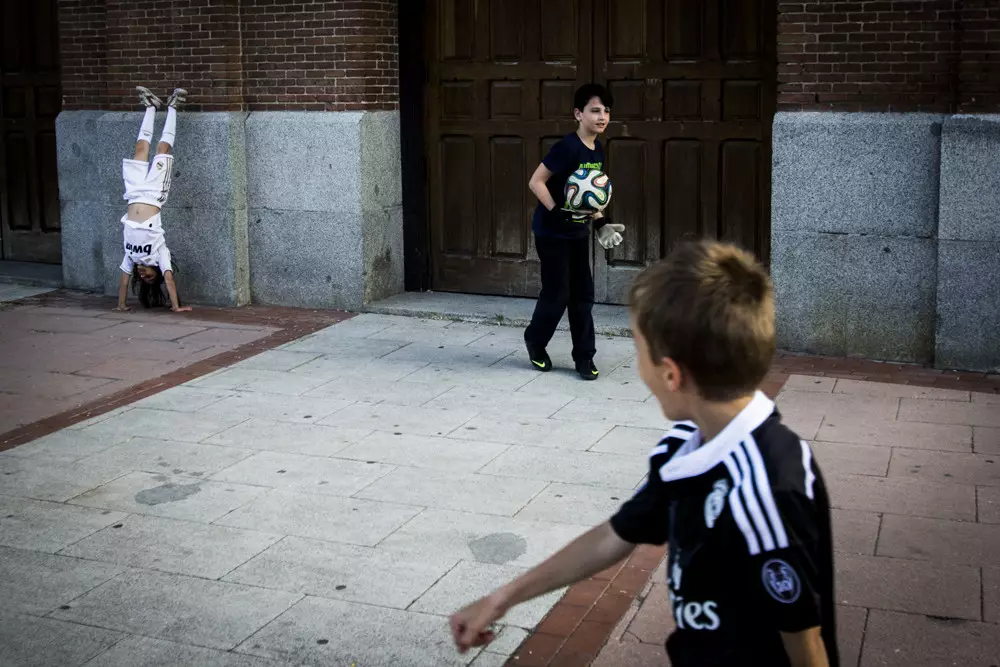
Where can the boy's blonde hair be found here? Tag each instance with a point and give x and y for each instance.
(709, 306)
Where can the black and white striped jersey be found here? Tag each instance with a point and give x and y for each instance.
(747, 519)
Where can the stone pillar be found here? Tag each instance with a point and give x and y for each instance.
(968, 293)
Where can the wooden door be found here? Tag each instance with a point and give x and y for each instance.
(30, 99)
(689, 145)
(501, 77)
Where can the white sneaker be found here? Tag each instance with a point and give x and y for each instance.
(148, 99)
(177, 98)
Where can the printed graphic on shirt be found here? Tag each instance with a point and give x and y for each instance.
(139, 249)
(781, 581)
(591, 165)
(716, 501)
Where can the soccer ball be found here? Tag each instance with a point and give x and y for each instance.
(588, 189)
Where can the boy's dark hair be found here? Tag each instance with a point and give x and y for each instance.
(590, 90)
(709, 306)
(153, 295)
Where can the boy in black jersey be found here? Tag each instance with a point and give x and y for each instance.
(738, 497)
(562, 237)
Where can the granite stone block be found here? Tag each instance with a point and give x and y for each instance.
(968, 308)
(970, 179)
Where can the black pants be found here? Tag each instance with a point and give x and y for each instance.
(566, 284)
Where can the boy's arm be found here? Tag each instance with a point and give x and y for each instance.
(123, 292)
(592, 552)
(175, 304)
(537, 186)
(806, 648)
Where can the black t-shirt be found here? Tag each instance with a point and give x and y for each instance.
(747, 518)
(568, 155)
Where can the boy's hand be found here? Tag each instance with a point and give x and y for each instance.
(181, 309)
(470, 626)
(609, 235)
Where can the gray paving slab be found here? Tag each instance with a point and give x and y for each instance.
(47, 526)
(352, 369)
(423, 451)
(381, 391)
(38, 479)
(146, 652)
(511, 404)
(299, 409)
(36, 583)
(447, 377)
(447, 489)
(575, 503)
(446, 534)
(342, 571)
(183, 399)
(276, 360)
(317, 631)
(289, 437)
(422, 420)
(168, 545)
(618, 413)
(629, 441)
(568, 382)
(593, 468)
(65, 446)
(533, 431)
(167, 456)
(455, 355)
(185, 609)
(307, 474)
(261, 381)
(170, 496)
(469, 581)
(331, 518)
(329, 344)
(146, 423)
(30, 641)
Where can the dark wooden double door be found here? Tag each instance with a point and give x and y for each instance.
(688, 148)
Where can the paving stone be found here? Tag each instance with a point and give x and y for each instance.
(854, 531)
(261, 381)
(66, 446)
(986, 440)
(330, 518)
(29, 641)
(845, 386)
(897, 434)
(39, 384)
(299, 409)
(445, 534)
(629, 441)
(167, 456)
(289, 437)
(56, 323)
(142, 422)
(37, 583)
(949, 412)
(97, 419)
(533, 431)
(456, 356)
(380, 391)
(834, 406)
(361, 325)
(333, 632)
(146, 652)
(574, 503)
(983, 469)
(851, 623)
(420, 333)
(184, 609)
(592, 468)
(506, 641)
(991, 594)
(908, 585)
(482, 494)
(183, 399)
(988, 504)
(35, 478)
(305, 474)
(621, 413)
(569, 383)
(336, 346)
(442, 375)
(633, 654)
(939, 541)
(227, 337)
(421, 451)
(485, 401)
(902, 496)
(988, 399)
(914, 640)
(342, 571)
(423, 420)
(847, 459)
(132, 370)
(171, 496)
(469, 581)
(48, 527)
(150, 331)
(276, 360)
(822, 385)
(357, 369)
(174, 546)
(486, 659)
(653, 621)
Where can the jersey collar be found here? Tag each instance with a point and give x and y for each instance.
(705, 457)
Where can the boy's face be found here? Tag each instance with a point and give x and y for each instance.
(662, 377)
(593, 118)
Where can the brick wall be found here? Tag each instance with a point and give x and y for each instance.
(231, 54)
(889, 55)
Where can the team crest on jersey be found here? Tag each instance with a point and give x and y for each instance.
(781, 581)
(715, 501)
(159, 166)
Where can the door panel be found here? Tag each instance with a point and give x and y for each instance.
(29, 103)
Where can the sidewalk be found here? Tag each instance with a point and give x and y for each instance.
(330, 501)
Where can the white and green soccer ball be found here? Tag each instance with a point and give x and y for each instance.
(588, 189)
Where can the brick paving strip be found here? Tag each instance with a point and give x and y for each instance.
(270, 326)
(621, 617)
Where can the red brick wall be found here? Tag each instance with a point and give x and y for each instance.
(889, 55)
(231, 54)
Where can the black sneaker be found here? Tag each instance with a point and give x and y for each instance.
(540, 360)
(587, 369)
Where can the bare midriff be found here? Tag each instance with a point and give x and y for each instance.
(139, 212)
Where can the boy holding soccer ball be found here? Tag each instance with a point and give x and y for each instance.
(562, 236)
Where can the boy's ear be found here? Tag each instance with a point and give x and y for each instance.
(673, 376)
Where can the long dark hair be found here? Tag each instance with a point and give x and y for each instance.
(153, 295)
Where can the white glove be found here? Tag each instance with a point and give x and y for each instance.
(609, 235)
